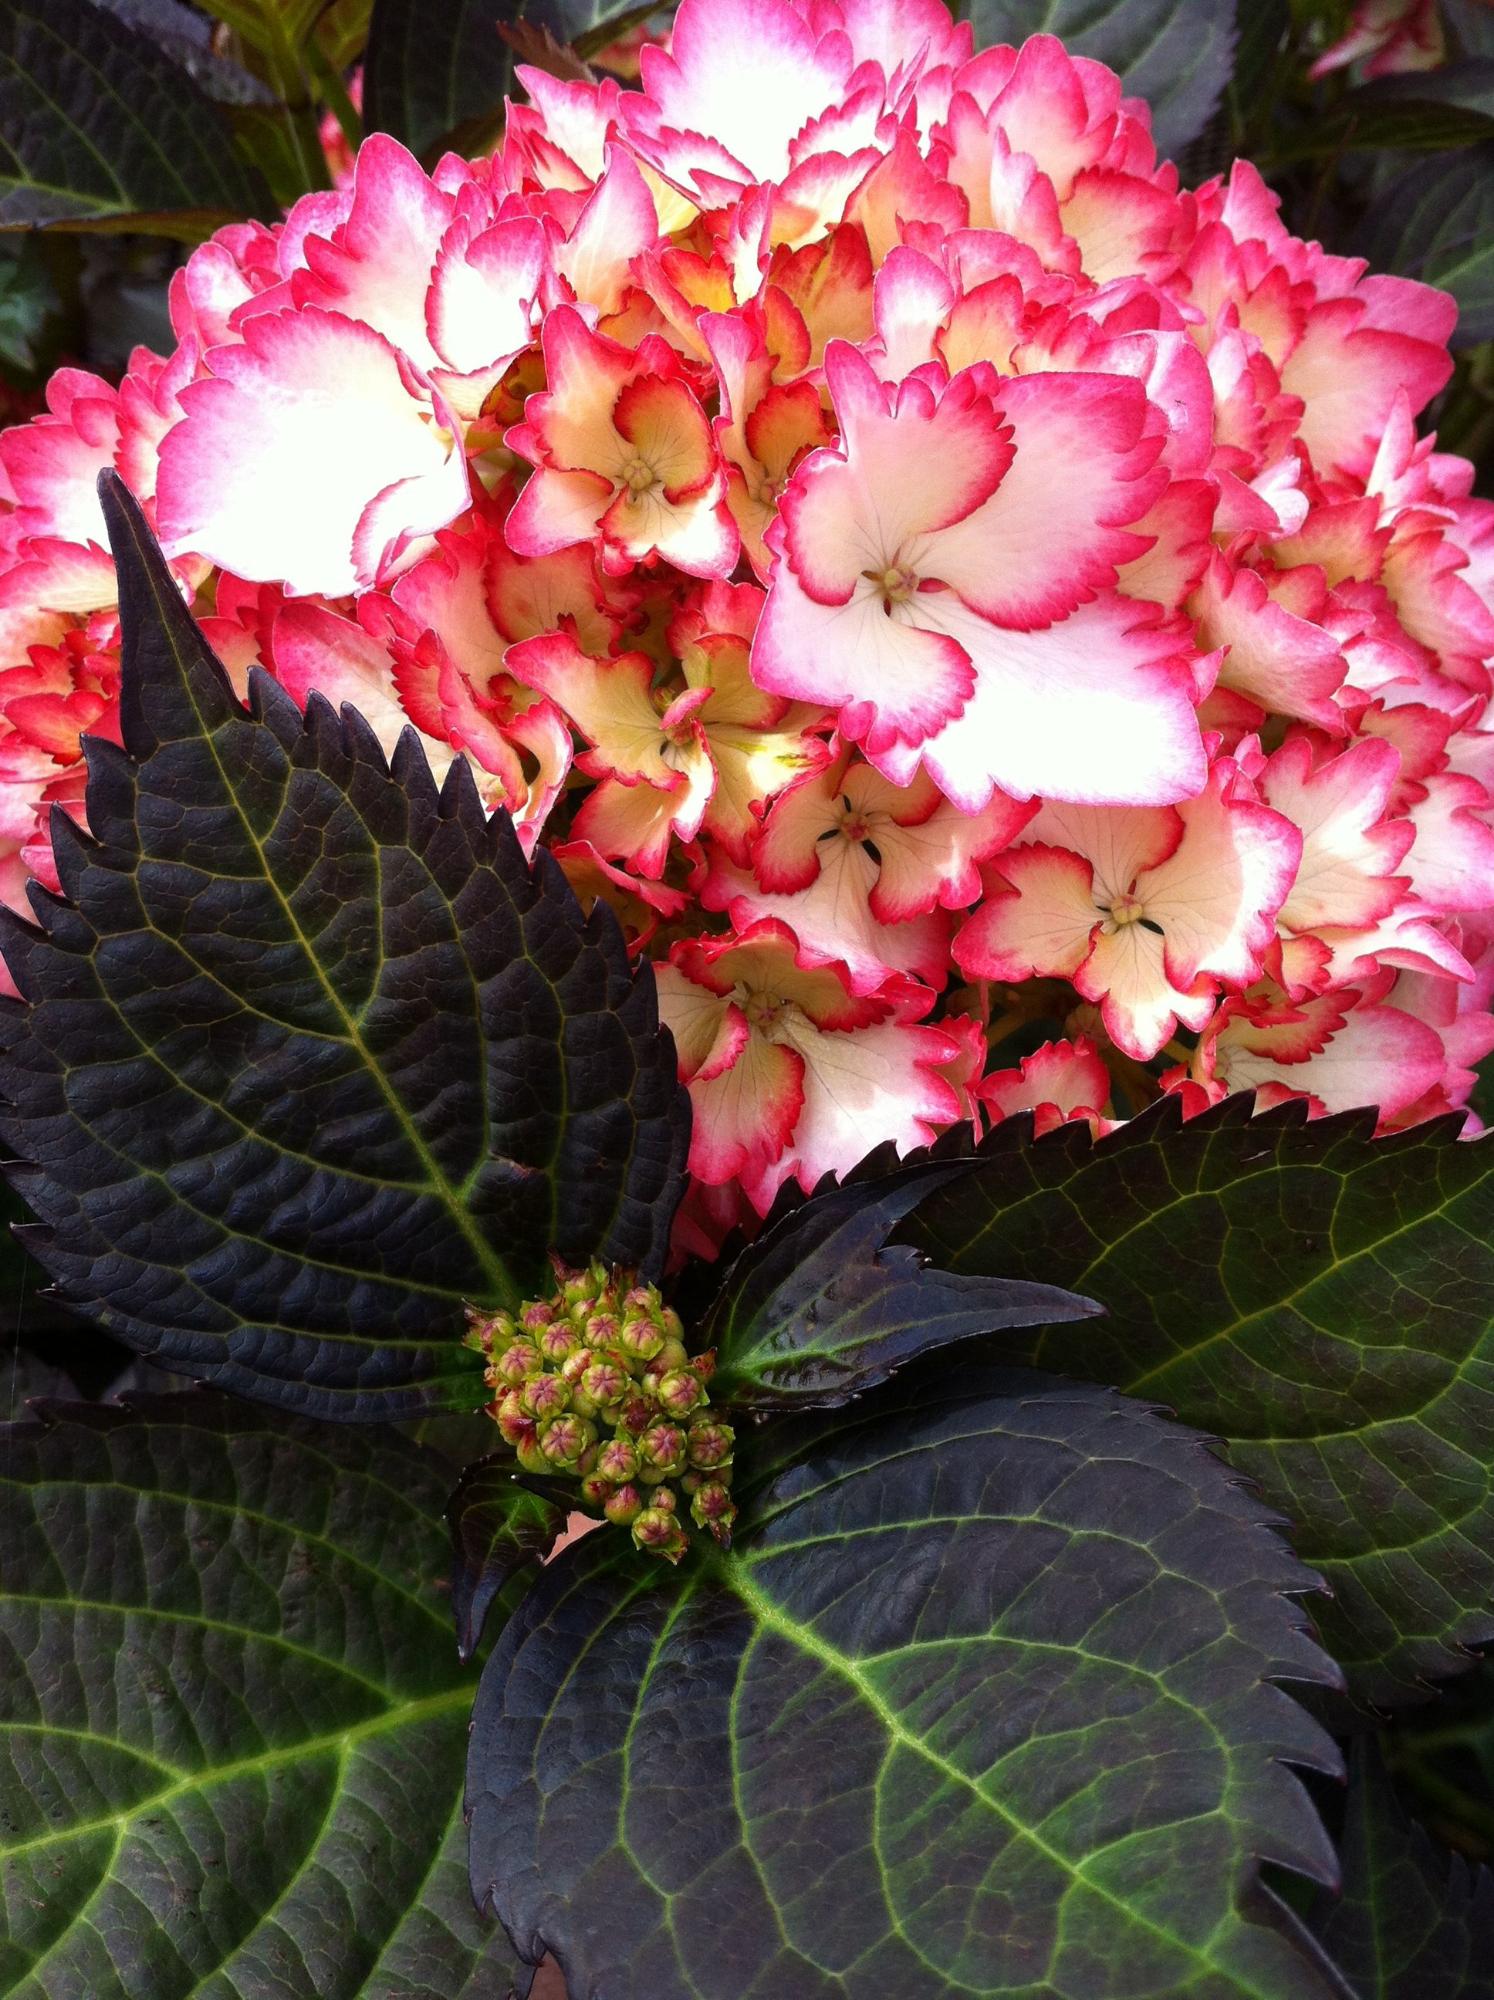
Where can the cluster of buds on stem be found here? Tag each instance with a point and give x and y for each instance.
(595, 1382)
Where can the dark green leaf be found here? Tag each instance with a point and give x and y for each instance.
(498, 1529)
(28, 303)
(1413, 1922)
(1174, 53)
(979, 1703)
(231, 1717)
(1321, 1300)
(313, 1057)
(1436, 223)
(432, 71)
(1405, 124)
(821, 1308)
(97, 123)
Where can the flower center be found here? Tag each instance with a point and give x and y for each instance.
(761, 1007)
(895, 584)
(1127, 909)
(638, 476)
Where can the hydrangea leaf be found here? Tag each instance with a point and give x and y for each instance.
(820, 1307)
(1322, 1300)
(433, 72)
(100, 126)
(1174, 53)
(498, 1530)
(980, 1702)
(231, 1716)
(1413, 1922)
(313, 1056)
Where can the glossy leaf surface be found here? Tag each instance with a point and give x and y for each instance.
(979, 1703)
(1321, 1300)
(96, 122)
(231, 1715)
(313, 1056)
(820, 1307)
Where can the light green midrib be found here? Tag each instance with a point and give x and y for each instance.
(488, 1261)
(772, 1618)
(340, 1741)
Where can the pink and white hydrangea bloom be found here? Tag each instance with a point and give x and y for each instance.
(981, 614)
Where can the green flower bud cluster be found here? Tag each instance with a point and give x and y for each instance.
(595, 1383)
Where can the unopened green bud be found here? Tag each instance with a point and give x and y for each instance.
(535, 1315)
(664, 1496)
(623, 1505)
(557, 1342)
(545, 1396)
(488, 1332)
(564, 1439)
(642, 1299)
(532, 1458)
(660, 1533)
(710, 1444)
(672, 1355)
(713, 1508)
(672, 1324)
(640, 1339)
(662, 1447)
(679, 1392)
(617, 1461)
(596, 1491)
(517, 1363)
(606, 1383)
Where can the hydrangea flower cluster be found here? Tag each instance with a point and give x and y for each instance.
(595, 1384)
(980, 613)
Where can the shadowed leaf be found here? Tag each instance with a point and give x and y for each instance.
(498, 1529)
(1413, 1922)
(97, 122)
(231, 1715)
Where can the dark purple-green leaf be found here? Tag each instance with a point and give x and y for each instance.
(821, 1308)
(980, 1702)
(313, 1056)
(1320, 1299)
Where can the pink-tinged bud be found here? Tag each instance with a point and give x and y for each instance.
(532, 1458)
(488, 1332)
(703, 1366)
(673, 1325)
(557, 1342)
(576, 1363)
(640, 1339)
(664, 1496)
(596, 1491)
(517, 1363)
(660, 1533)
(623, 1505)
(586, 1464)
(713, 1508)
(679, 1392)
(602, 1329)
(635, 1415)
(662, 1447)
(710, 1444)
(535, 1315)
(606, 1384)
(617, 1461)
(564, 1439)
(545, 1396)
(642, 1299)
(515, 1424)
